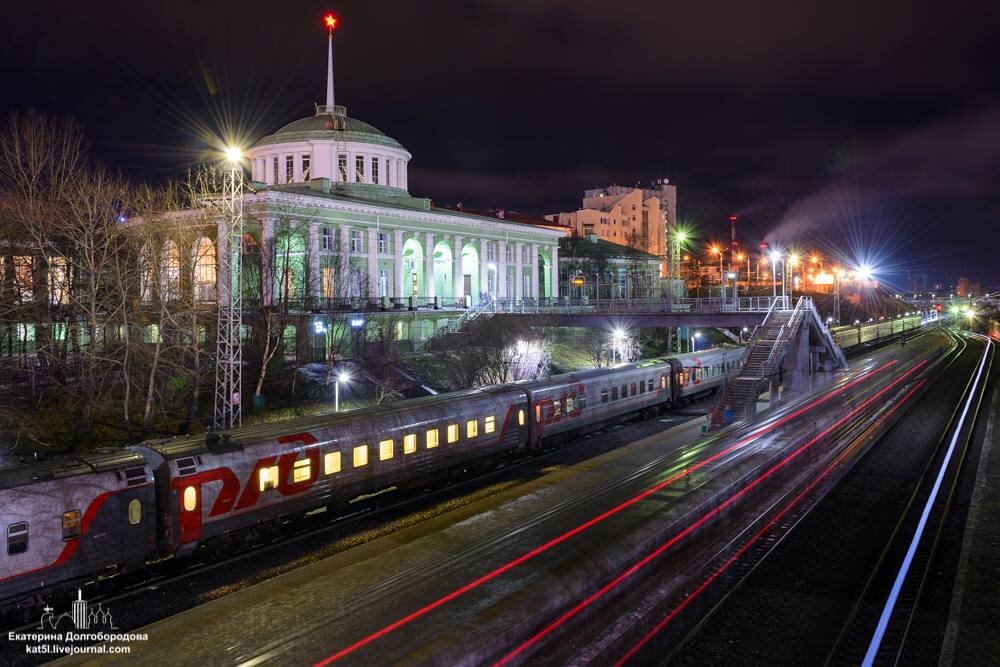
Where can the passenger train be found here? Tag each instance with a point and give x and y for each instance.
(72, 520)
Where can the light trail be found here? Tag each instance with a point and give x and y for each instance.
(525, 557)
(614, 583)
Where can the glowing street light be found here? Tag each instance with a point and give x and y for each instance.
(344, 377)
(233, 154)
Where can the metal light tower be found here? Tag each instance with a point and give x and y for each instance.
(229, 346)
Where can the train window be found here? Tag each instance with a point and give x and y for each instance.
(557, 407)
(360, 456)
(452, 433)
(432, 438)
(301, 470)
(17, 538)
(651, 384)
(604, 396)
(472, 428)
(268, 478)
(581, 402)
(538, 413)
(134, 512)
(614, 393)
(190, 499)
(489, 424)
(681, 378)
(520, 417)
(409, 443)
(624, 391)
(71, 525)
(385, 450)
(642, 386)
(632, 387)
(331, 463)
(570, 404)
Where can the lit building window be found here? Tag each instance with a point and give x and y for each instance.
(331, 463)
(452, 433)
(490, 424)
(289, 169)
(305, 167)
(385, 450)
(342, 167)
(409, 443)
(327, 278)
(359, 169)
(274, 169)
(375, 170)
(360, 456)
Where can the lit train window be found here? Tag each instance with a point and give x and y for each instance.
(331, 463)
(385, 450)
(190, 499)
(557, 406)
(432, 438)
(268, 479)
(570, 404)
(71, 525)
(409, 443)
(134, 511)
(472, 428)
(360, 456)
(604, 396)
(301, 470)
(452, 433)
(538, 413)
(17, 538)
(489, 424)
(614, 393)
(520, 417)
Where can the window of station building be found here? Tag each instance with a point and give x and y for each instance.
(305, 167)
(71, 525)
(409, 443)
(510, 253)
(452, 433)
(524, 254)
(190, 499)
(489, 424)
(360, 456)
(490, 252)
(359, 168)
(520, 417)
(614, 393)
(604, 396)
(472, 428)
(342, 167)
(383, 242)
(375, 170)
(268, 478)
(274, 169)
(386, 449)
(431, 438)
(134, 512)
(331, 463)
(355, 240)
(327, 238)
(17, 538)
(301, 471)
(289, 169)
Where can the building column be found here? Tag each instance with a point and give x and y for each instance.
(314, 288)
(502, 270)
(267, 261)
(484, 271)
(533, 259)
(429, 266)
(554, 270)
(456, 269)
(397, 267)
(343, 289)
(518, 271)
(372, 262)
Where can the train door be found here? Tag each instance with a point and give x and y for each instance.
(136, 519)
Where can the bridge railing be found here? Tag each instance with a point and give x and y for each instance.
(755, 304)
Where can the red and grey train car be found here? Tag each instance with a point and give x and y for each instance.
(73, 519)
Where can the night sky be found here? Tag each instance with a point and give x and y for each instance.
(866, 128)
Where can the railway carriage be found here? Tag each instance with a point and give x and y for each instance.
(75, 518)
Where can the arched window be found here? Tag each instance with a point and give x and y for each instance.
(170, 272)
(203, 267)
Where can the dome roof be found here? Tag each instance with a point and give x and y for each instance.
(336, 125)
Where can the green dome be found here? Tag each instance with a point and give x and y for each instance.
(336, 126)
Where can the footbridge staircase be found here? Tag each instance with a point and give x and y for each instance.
(788, 348)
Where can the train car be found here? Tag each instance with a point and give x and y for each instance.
(705, 371)
(72, 519)
(572, 401)
(218, 487)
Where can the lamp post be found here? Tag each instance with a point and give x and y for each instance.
(341, 377)
(838, 273)
(793, 261)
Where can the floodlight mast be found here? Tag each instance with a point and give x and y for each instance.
(229, 347)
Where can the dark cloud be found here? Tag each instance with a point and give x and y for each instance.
(761, 108)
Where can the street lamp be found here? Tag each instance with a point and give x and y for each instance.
(344, 377)
(617, 342)
(694, 339)
(722, 275)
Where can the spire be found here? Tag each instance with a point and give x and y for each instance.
(330, 21)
